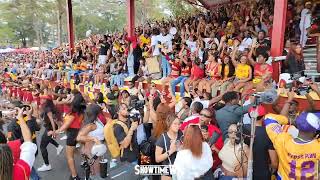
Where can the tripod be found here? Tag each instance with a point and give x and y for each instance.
(253, 115)
(86, 164)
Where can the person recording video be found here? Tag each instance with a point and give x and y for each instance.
(121, 136)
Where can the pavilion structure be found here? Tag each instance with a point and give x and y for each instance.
(278, 31)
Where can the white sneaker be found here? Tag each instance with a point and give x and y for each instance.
(63, 137)
(59, 149)
(44, 168)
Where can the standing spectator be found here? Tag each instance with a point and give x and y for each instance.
(127, 141)
(294, 60)
(168, 143)
(231, 113)
(305, 23)
(184, 110)
(288, 148)
(194, 116)
(92, 133)
(234, 156)
(104, 52)
(196, 153)
(263, 150)
(22, 168)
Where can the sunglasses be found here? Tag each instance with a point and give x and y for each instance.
(232, 132)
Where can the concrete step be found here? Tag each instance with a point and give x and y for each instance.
(310, 50)
(310, 60)
(310, 45)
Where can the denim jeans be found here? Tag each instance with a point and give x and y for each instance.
(117, 79)
(69, 74)
(130, 64)
(165, 66)
(34, 175)
(181, 80)
(29, 71)
(48, 73)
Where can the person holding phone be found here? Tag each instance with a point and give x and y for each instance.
(166, 146)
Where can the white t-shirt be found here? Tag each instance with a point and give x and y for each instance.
(205, 103)
(246, 117)
(154, 42)
(192, 45)
(246, 43)
(166, 40)
(189, 167)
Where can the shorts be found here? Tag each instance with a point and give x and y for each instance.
(102, 59)
(72, 134)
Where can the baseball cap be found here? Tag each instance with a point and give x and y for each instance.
(259, 109)
(308, 122)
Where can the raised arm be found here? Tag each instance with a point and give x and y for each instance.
(233, 57)
(222, 40)
(253, 47)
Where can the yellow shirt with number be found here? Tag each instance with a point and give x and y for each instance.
(297, 161)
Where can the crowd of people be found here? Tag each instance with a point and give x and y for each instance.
(219, 59)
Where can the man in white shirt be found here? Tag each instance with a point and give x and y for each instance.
(192, 44)
(155, 39)
(305, 23)
(165, 38)
(246, 42)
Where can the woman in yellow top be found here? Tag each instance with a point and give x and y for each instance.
(226, 72)
(243, 71)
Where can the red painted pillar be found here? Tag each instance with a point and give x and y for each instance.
(70, 26)
(130, 17)
(278, 30)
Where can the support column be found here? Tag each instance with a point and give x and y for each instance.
(130, 17)
(70, 27)
(278, 32)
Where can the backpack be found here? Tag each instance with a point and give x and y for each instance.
(111, 140)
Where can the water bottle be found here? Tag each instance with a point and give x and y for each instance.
(104, 168)
(113, 163)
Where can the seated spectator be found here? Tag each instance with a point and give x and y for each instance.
(212, 73)
(226, 72)
(195, 152)
(243, 71)
(197, 73)
(185, 74)
(262, 72)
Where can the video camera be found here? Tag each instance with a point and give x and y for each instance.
(300, 84)
(136, 104)
(267, 97)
